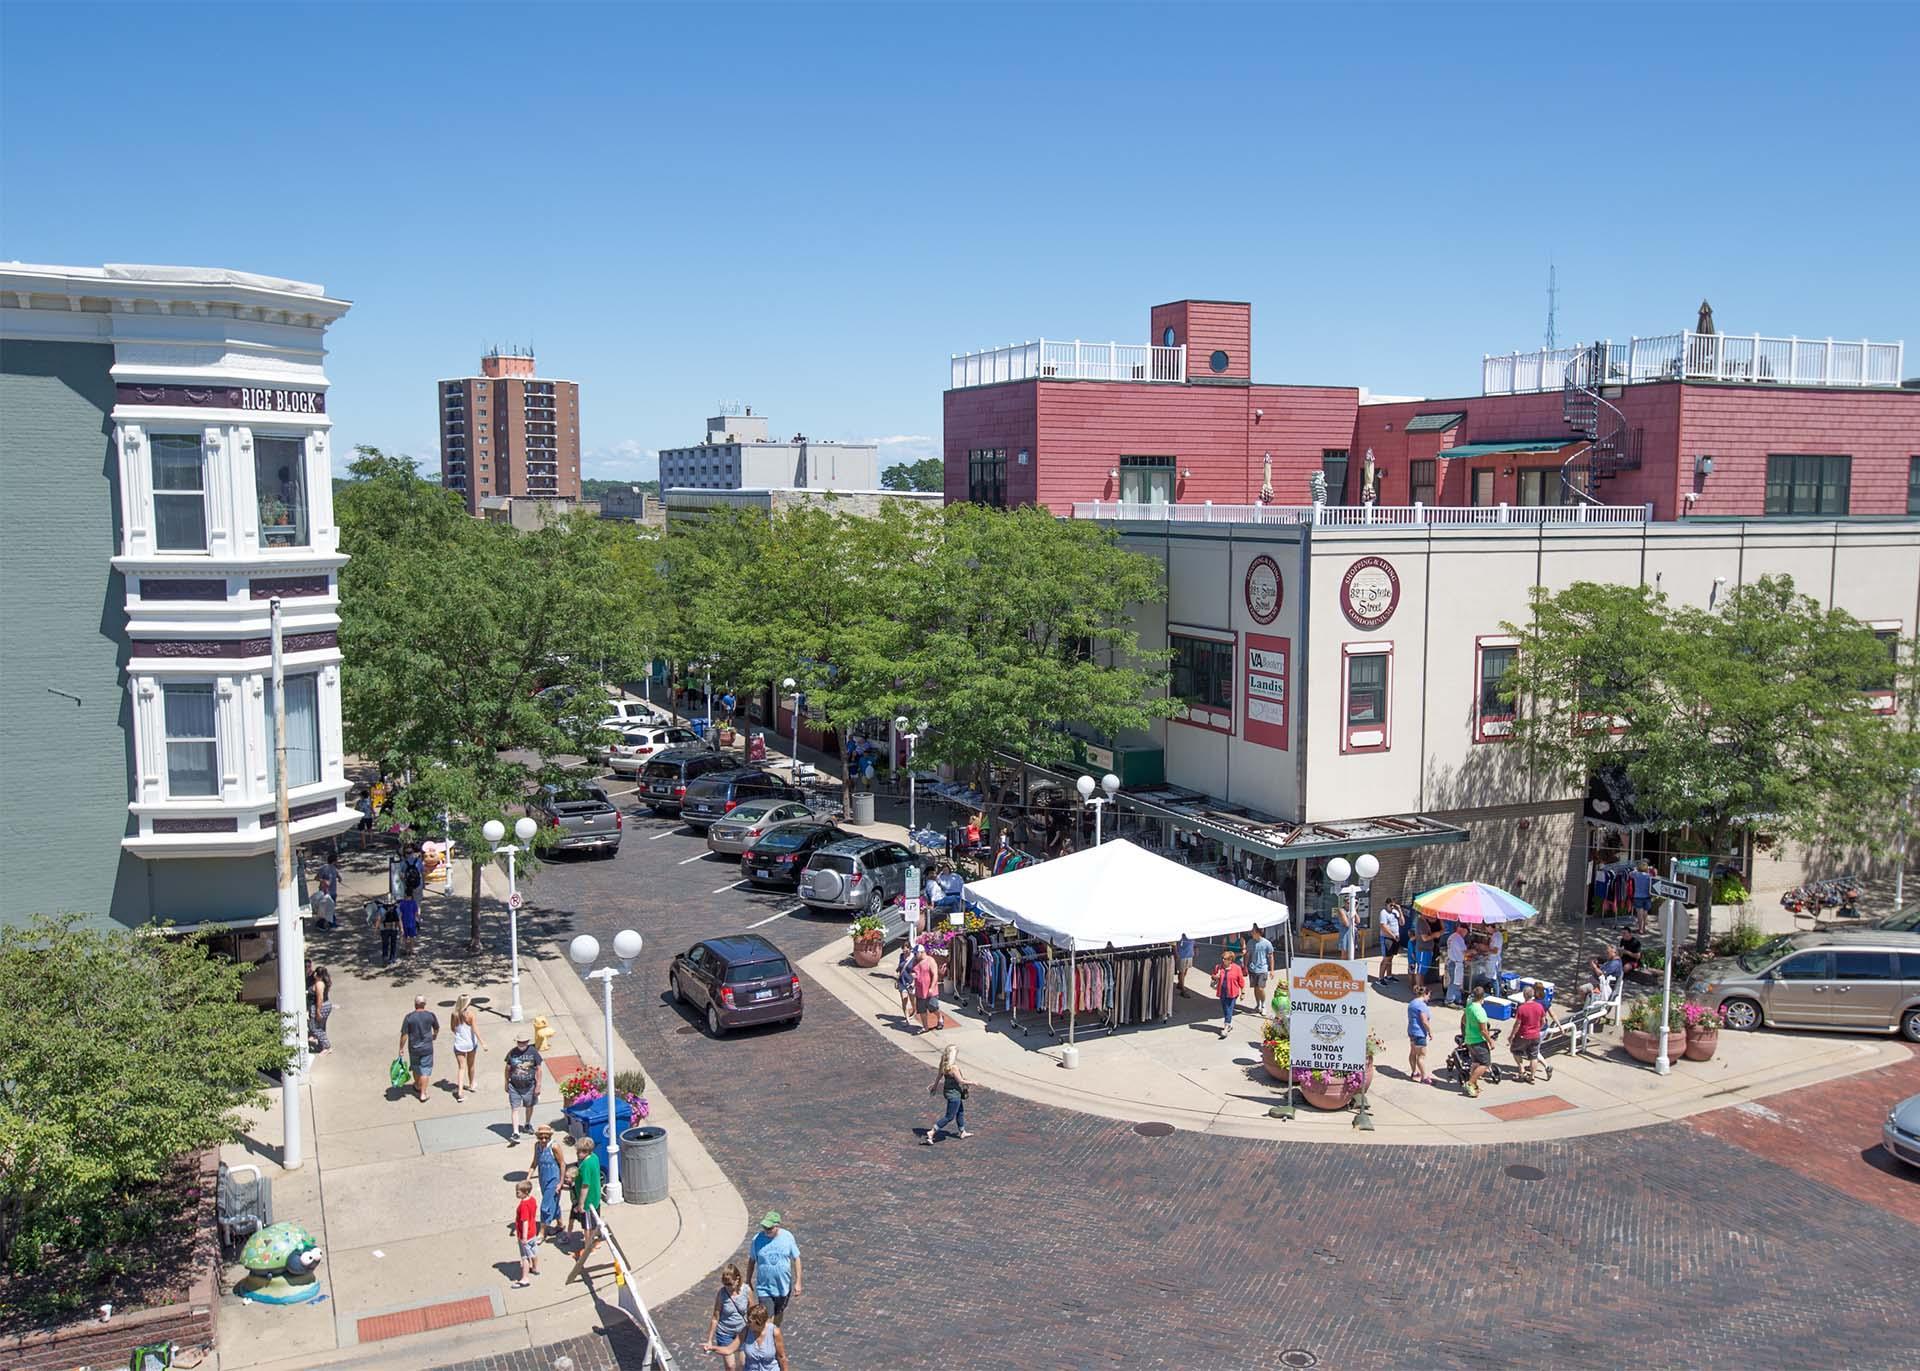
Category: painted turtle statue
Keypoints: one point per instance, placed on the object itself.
(281, 1260)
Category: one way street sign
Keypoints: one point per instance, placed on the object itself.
(1671, 890)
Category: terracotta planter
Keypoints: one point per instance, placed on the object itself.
(1267, 1059)
(1701, 1046)
(1645, 1046)
(866, 951)
(1333, 1096)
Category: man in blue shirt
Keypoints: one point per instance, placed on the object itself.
(1260, 968)
(1184, 952)
(773, 1266)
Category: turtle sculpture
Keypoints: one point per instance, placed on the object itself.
(280, 1262)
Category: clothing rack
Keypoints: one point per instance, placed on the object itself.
(1120, 986)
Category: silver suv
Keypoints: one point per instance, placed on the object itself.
(1860, 981)
(857, 875)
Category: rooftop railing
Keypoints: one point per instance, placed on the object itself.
(1751, 358)
(1074, 361)
(1367, 516)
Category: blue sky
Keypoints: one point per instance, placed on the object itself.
(808, 208)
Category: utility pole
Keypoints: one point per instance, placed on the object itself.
(289, 942)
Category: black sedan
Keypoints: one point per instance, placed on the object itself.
(779, 855)
(735, 982)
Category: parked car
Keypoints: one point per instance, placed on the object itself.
(628, 756)
(778, 856)
(1906, 921)
(1900, 1134)
(719, 793)
(749, 821)
(856, 875)
(736, 981)
(1861, 980)
(634, 713)
(584, 817)
(665, 778)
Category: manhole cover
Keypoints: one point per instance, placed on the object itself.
(1298, 1356)
(1153, 1130)
(1526, 1173)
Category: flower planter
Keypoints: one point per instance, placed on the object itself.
(1701, 1046)
(1644, 1046)
(866, 951)
(1270, 1059)
(1332, 1095)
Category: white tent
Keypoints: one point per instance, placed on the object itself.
(1119, 895)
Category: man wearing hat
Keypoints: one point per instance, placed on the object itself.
(773, 1266)
(523, 1084)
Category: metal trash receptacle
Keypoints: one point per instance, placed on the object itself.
(643, 1164)
(862, 807)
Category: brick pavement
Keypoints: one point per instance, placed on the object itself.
(1059, 1239)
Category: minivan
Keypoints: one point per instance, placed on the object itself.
(1860, 981)
(717, 794)
(664, 780)
(857, 875)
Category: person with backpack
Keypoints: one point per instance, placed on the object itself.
(389, 932)
(523, 1085)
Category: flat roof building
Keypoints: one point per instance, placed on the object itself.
(509, 433)
(737, 453)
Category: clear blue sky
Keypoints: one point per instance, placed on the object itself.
(808, 208)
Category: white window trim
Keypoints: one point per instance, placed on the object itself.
(151, 495)
(222, 694)
(1368, 738)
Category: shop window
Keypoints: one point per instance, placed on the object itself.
(1333, 465)
(1146, 480)
(1202, 672)
(193, 746)
(1885, 682)
(179, 493)
(303, 732)
(1420, 477)
(280, 486)
(1369, 674)
(987, 476)
(1802, 485)
(1493, 716)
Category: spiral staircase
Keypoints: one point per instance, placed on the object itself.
(1612, 445)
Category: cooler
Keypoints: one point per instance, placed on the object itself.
(1546, 989)
(1497, 1007)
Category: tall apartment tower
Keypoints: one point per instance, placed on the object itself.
(509, 433)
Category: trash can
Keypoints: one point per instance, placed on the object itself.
(590, 1120)
(643, 1164)
(862, 807)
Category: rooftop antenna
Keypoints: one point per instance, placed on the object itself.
(1553, 304)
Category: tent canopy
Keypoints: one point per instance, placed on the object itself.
(1119, 895)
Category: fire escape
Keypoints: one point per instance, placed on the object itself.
(1612, 446)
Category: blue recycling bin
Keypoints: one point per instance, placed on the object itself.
(699, 727)
(590, 1121)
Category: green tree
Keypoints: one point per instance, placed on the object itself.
(450, 625)
(1021, 626)
(929, 473)
(1754, 712)
(119, 1053)
(712, 574)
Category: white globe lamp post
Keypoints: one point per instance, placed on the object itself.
(495, 832)
(583, 952)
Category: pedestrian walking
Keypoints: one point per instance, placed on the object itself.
(1456, 966)
(1473, 1028)
(926, 990)
(903, 979)
(327, 879)
(409, 907)
(1419, 1034)
(587, 1193)
(1426, 936)
(1259, 967)
(364, 803)
(570, 1182)
(1530, 1018)
(464, 1026)
(1228, 981)
(773, 1268)
(949, 1082)
(389, 932)
(1496, 940)
(761, 1346)
(549, 1170)
(319, 1006)
(728, 1316)
(522, 1076)
(1183, 955)
(526, 1228)
(417, 1032)
(1390, 927)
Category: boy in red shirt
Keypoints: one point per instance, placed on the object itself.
(526, 1227)
(1530, 1016)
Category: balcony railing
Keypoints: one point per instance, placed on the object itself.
(1075, 361)
(1745, 357)
(1367, 516)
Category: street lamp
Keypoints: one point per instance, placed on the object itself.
(585, 951)
(912, 736)
(791, 686)
(493, 831)
(1364, 867)
(1110, 783)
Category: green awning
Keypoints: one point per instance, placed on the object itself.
(1530, 445)
(1435, 423)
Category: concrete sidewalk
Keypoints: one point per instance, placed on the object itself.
(413, 1201)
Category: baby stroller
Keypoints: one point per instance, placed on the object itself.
(1460, 1063)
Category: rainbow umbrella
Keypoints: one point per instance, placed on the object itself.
(1470, 902)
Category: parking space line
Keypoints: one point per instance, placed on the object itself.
(696, 857)
(725, 888)
(654, 838)
(781, 915)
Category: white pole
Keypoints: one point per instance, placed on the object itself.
(613, 1192)
(1663, 1064)
(910, 824)
(293, 994)
(514, 1014)
(1073, 988)
(1097, 804)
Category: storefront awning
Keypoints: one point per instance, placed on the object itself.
(1493, 449)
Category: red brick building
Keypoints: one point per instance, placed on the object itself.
(1175, 420)
(508, 432)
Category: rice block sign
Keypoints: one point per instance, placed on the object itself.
(1328, 1023)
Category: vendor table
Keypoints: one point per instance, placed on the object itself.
(1317, 944)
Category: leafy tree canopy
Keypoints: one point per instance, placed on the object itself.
(929, 473)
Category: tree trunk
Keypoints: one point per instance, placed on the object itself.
(841, 736)
(473, 906)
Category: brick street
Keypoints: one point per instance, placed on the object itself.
(1058, 1239)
